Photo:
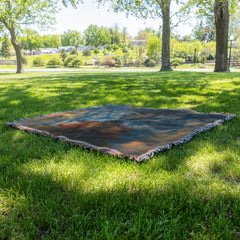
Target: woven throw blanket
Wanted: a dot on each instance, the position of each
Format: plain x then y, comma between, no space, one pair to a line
123,130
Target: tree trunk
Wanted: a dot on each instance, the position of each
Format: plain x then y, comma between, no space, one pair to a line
221,12
17,48
165,8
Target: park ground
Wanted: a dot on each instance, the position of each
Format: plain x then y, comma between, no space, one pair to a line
52,190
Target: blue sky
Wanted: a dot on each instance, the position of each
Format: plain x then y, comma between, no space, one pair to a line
89,13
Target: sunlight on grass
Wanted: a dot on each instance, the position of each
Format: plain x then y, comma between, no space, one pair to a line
52,190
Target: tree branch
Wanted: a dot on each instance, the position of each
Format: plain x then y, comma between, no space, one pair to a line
5,23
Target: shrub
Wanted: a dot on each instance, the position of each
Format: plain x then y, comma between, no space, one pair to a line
73,61
178,60
76,62
138,62
126,59
24,60
63,54
109,48
86,52
175,64
119,60
74,51
109,61
38,62
131,46
115,46
105,52
203,59
96,50
211,57
118,52
68,60
54,62
97,62
125,50
150,62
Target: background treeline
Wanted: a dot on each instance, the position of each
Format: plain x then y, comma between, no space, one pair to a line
115,47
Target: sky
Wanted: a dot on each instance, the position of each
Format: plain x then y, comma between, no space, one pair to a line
88,13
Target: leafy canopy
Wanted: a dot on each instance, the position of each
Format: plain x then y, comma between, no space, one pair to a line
21,13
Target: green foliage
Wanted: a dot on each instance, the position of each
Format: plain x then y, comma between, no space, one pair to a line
24,60
115,35
68,60
54,62
118,52
205,33
138,62
73,3
124,35
74,51
63,54
86,52
234,25
236,52
38,62
51,41
115,47
77,62
126,59
73,61
145,35
105,51
125,50
119,60
178,60
150,62
175,64
18,14
97,36
96,50
154,48
5,49
192,50
71,38
109,47
140,51
31,40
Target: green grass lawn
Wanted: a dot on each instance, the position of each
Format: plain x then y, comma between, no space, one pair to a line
52,190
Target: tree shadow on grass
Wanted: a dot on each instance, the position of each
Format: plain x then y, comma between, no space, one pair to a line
38,95
110,198
45,205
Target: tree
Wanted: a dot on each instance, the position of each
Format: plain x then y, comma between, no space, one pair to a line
124,35
5,50
221,10
115,35
144,9
165,9
205,32
51,41
234,25
72,38
15,15
154,48
31,41
144,35
97,36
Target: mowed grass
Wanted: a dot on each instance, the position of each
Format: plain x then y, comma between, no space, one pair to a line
52,190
